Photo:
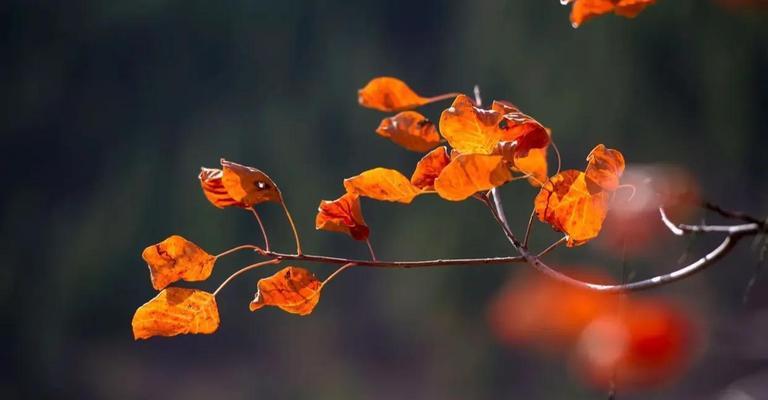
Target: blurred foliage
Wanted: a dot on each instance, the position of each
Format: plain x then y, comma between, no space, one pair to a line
111,107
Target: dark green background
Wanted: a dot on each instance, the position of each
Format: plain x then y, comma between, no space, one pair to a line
109,109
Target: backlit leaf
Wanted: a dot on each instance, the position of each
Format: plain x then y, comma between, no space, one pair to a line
468,174
175,259
605,167
237,185
176,311
533,164
292,289
342,215
410,130
382,184
566,203
584,10
429,168
389,94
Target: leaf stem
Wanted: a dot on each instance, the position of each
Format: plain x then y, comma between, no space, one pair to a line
552,246
242,271
370,249
293,226
530,226
261,225
338,271
442,97
236,249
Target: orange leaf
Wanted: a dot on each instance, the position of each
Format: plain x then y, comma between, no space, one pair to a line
429,168
605,167
391,95
410,130
473,130
293,289
342,215
468,174
237,185
534,164
176,311
584,10
382,184
176,258
566,203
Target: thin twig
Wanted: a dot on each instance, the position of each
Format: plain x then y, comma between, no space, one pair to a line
242,271
370,249
236,249
733,214
478,99
552,246
528,228
293,226
338,271
442,97
261,225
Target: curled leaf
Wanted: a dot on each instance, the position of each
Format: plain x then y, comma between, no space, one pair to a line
237,185
292,289
176,311
584,10
468,174
410,130
429,168
382,184
566,203
342,215
175,259
605,167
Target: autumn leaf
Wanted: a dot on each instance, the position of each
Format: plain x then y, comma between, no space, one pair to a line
292,289
342,215
410,130
604,167
382,184
391,95
473,130
584,10
429,168
534,164
468,174
566,203
175,259
176,311
237,185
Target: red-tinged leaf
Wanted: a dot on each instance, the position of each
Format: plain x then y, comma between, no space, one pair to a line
342,215
176,311
410,130
238,185
584,10
604,167
292,289
176,259
429,168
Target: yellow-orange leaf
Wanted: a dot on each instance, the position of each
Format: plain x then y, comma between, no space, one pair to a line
389,94
342,215
176,311
176,258
584,10
292,289
468,174
534,164
566,203
605,167
237,185
410,130
429,168
382,184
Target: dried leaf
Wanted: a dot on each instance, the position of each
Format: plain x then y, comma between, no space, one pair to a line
382,184
292,289
605,167
468,174
410,130
473,130
429,168
389,95
584,10
237,185
342,215
176,311
566,203
176,258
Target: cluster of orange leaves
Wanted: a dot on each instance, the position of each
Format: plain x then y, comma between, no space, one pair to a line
488,148
633,343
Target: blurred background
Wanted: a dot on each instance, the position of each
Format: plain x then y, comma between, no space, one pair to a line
110,108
